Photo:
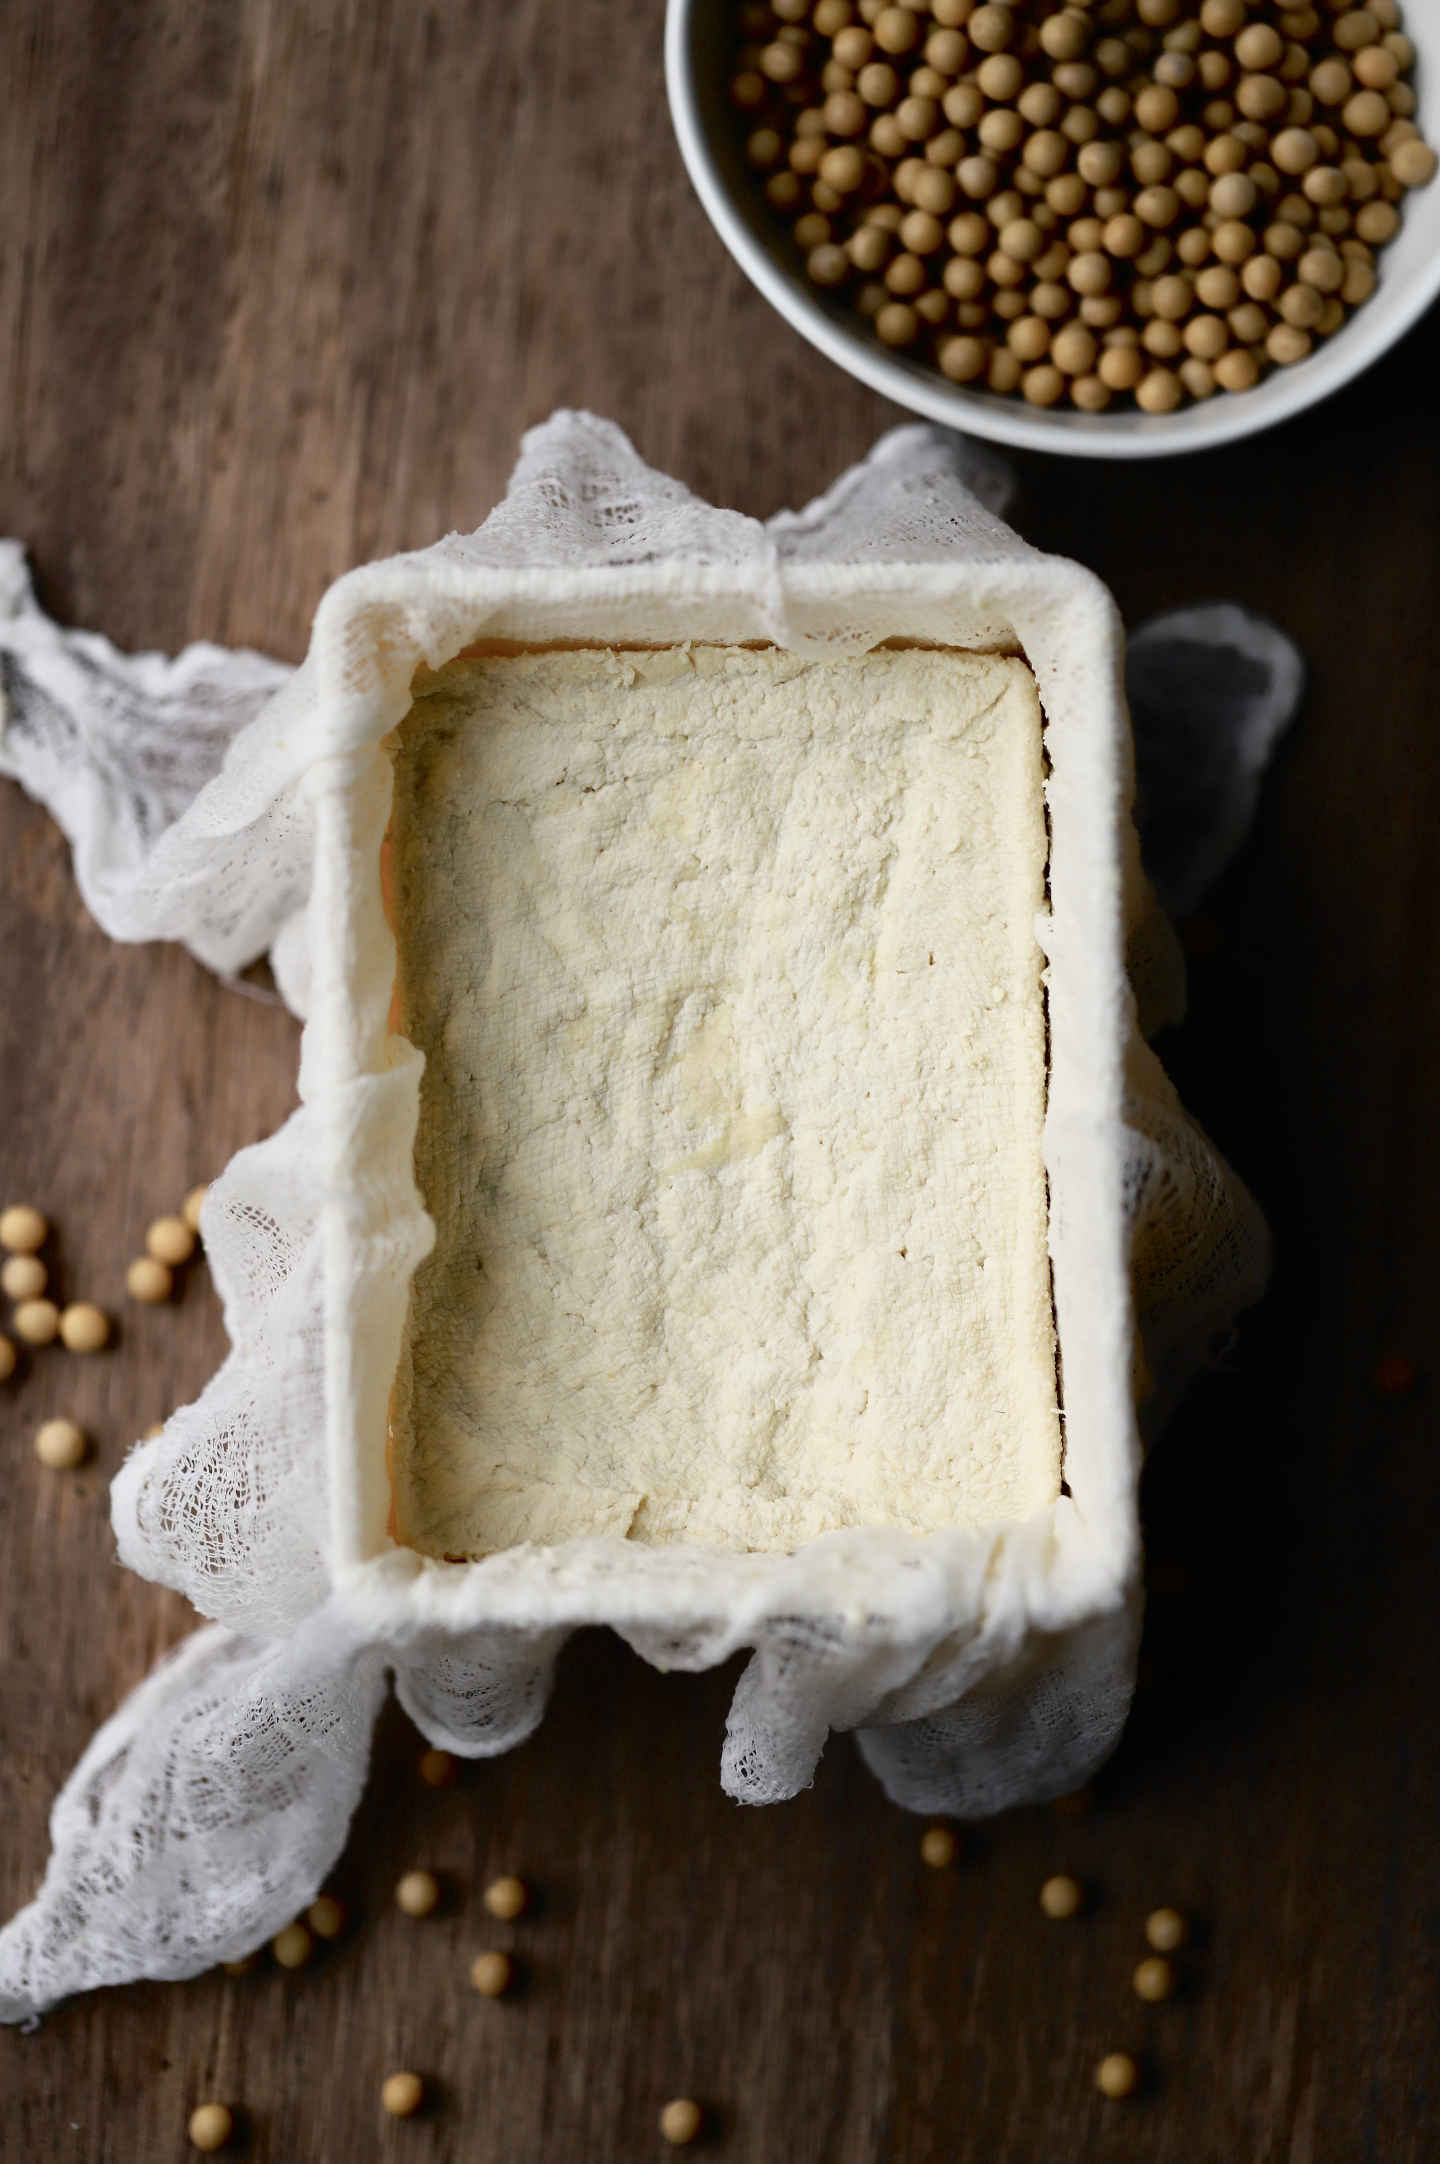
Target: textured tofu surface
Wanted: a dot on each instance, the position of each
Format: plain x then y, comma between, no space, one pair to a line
724,966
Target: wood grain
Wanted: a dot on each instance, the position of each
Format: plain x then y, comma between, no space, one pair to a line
279,288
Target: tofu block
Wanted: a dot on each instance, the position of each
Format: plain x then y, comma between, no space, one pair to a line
724,966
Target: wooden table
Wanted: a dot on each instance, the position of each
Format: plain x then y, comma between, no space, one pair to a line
279,288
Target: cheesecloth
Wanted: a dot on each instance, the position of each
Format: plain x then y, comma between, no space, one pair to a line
225,801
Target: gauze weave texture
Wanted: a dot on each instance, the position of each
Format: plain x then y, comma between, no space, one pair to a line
225,802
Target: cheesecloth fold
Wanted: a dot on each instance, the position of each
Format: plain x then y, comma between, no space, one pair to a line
225,801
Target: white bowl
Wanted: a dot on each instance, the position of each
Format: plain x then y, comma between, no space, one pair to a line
699,36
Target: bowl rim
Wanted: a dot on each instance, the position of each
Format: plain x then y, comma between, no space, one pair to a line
919,390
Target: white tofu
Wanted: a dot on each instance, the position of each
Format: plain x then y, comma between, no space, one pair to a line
724,965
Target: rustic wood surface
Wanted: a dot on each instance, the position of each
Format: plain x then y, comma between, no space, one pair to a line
279,287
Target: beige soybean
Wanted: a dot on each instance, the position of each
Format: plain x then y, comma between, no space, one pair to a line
1301,306
1166,1929
1162,340
292,1946
1358,283
326,1916
1074,350
939,1847
1206,337
827,265
492,1974
149,1280
23,1228
1062,1896
211,2127
1173,297
1090,394
84,1328
1262,277
1004,371
1413,163
1120,368
1248,323
61,1445
1049,299
437,1769
1090,272
682,2119
1286,345
506,1898
37,1322
402,2094
23,1277
1154,1979
963,278
1117,2074
842,169
1377,222
1043,386
417,1893
963,360
1237,370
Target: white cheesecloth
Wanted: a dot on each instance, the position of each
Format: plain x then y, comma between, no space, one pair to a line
233,804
